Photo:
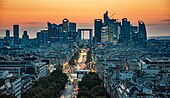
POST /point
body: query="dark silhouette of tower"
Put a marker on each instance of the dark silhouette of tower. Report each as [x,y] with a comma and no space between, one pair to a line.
[7,39]
[25,38]
[126,28]
[106,18]
[42,38]
[65,30]
[16,34]
[72,30]
[134,35]
[142,33]
[25,35]
[72,27]
[65,27]
[71,34]
[53,32]
[124,35]
[7,34]
[97,29]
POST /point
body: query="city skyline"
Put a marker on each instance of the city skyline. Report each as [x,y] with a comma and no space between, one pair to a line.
[84,49]
[28,14]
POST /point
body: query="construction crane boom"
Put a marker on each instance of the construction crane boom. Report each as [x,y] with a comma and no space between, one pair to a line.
[112,15]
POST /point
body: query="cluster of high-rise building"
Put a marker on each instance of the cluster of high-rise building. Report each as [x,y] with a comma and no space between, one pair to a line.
[130,64]
[62,33]
[112,31]
[108,31]
[15,41]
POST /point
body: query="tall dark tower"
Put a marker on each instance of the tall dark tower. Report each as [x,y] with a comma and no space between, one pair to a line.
[16,34]
[106,18]
[126,28]
[97,29]
[65,27]
[72,30]
[7,34]
[25,35]
[7,39]
[25,38]
[142,33]
[42,38]
[72,27]
[53,32]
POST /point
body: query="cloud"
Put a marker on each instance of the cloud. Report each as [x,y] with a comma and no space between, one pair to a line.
[33,23]
[166,20]
[153,24]
[161,23]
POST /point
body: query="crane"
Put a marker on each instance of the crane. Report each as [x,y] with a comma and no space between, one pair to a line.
[112,15]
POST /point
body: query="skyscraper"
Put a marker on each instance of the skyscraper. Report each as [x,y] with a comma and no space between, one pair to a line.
[126,28]
[106,18]
[25,35]
[72,30]
[72,27]
[16,34]
[114,31]
[65,27]
[53,32]
[7,39]
[42,38]
[71,34]
[142,33]
[124,36]
[97,29]
[134,35]
[25,38]
[7,34]
[105,34]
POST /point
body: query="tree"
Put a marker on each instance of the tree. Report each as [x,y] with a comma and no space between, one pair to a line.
[99,91]
[84,94]
[84,97]
[91,87]
[6,96]
[90,80]
[48,87]
[89,58]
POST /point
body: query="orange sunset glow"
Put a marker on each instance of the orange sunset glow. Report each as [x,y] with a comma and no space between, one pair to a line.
[32,15]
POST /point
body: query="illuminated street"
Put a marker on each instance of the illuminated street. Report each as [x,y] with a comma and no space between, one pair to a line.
[71,71]
[80,63]
[68,91]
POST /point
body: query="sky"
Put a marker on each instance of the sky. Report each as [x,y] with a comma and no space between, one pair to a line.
[32,15]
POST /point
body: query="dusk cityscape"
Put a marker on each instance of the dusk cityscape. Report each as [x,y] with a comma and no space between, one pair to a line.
[84,49]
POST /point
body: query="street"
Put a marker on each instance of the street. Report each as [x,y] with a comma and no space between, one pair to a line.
[68,91]
[69,70]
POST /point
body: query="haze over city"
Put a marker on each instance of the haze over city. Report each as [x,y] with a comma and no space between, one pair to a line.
[32,15]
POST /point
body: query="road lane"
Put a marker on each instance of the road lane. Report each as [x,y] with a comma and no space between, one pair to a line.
[68,91]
